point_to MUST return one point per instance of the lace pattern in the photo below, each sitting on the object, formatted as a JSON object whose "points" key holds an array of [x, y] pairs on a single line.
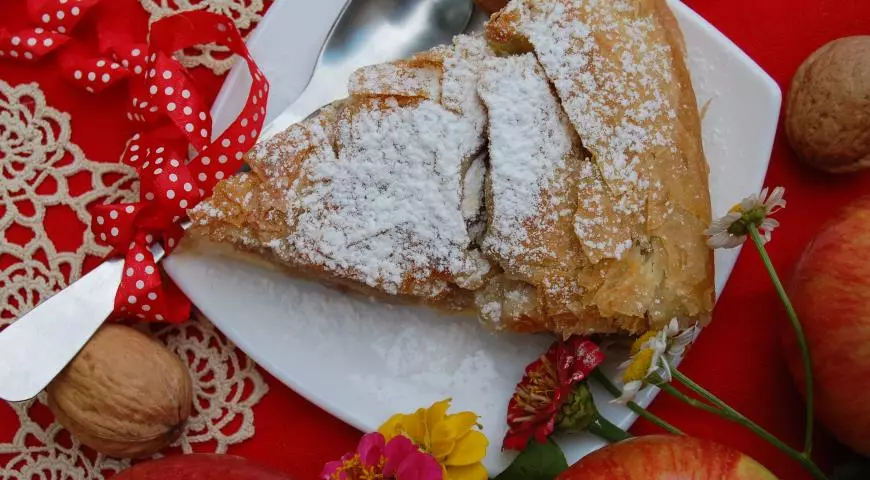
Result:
{"points": [[37, 159], [245, 14]]}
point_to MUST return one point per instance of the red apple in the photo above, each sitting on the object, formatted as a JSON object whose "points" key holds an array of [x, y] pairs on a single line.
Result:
{"points": [[200, 466], [666, 457], [831, 294]]}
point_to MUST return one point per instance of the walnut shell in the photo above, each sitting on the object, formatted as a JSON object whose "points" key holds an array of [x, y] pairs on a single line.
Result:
{"points": [[828, 110], [490, 6], [124, 394]]}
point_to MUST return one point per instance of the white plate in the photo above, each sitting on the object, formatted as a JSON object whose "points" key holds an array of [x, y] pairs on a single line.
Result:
{"points": [[363, 361]]}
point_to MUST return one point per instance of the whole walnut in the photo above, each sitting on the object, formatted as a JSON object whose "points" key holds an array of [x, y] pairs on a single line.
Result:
{"points": [[124, 394], [828, 111]]}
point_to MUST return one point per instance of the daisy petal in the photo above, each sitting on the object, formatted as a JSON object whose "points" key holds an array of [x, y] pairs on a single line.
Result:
{"points": [[629, 391], [672, 328], [769, 223], [719, 240], [664, 370], [775, 201], [751, 202]]}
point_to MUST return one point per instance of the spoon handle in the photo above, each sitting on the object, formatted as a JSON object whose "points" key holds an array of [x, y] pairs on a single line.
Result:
{"points": [[35, 348]]}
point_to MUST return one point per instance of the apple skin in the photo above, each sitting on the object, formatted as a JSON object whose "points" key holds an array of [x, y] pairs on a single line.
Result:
{"points": [[830, 291], [200, 466], [666, 457]]}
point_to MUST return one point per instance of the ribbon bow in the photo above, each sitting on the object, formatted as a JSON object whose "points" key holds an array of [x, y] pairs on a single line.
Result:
{"points": [[52, 20], [172, 115]]}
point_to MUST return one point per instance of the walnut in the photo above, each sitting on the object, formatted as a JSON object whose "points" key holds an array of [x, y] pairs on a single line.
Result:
{"points": [[828, 110], [124, 394]]}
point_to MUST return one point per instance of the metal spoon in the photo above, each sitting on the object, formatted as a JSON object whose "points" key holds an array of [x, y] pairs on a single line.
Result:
{"points": [[35, 348], [370, 32]]}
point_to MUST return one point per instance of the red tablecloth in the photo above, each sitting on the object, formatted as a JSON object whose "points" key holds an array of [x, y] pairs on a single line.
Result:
{"points": [[738, 357]]}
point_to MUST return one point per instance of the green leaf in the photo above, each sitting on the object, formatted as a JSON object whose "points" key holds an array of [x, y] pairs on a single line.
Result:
{"points": [[539, 461]]}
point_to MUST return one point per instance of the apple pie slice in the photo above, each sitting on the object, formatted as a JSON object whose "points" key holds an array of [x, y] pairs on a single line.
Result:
{"points": [[548, 175], [367, 194], [643, 202]]}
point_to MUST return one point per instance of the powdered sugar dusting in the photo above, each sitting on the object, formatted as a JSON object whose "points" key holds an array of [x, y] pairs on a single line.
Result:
{"points": [[528, 145], [601, 232], [461, 70], [398, 78], [608, 61], [389, 207]]}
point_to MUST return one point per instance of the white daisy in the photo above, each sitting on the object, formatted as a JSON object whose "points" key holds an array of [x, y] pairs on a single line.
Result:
{"points": [[652, 355], [629, 391], [731, 230]]}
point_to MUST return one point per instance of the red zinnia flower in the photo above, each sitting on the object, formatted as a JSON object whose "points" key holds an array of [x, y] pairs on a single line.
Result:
{"points": [[547, 384]]}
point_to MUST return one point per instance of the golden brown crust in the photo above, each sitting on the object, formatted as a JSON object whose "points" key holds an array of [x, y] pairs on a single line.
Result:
{"points": [[301, 207], [244, 212], [614, 239], [643, 198], [404, 78], [503, 33]]}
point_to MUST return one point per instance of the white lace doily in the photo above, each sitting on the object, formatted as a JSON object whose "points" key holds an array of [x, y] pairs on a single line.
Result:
{"points": [[245, 14], [36, 160]]}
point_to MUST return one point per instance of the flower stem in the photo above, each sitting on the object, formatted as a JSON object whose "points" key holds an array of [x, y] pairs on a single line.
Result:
{"points": [[670, 390], [598, 375], [605, 429], [799, 332], [725, 411]]}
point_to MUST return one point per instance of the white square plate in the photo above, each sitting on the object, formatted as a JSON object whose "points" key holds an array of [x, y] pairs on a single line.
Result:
{"points": [[363, 361]]}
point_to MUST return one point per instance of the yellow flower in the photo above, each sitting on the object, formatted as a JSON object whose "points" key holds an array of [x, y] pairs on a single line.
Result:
{"points": [[641, 341], [651, 356], [451, 439], [639, 366]]}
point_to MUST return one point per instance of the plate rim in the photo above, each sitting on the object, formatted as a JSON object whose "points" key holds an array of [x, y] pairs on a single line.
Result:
{"points": [[357, 421]]}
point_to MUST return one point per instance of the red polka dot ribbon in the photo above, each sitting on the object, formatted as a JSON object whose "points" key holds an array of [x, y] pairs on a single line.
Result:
{"points": [[172, 117], [52, 21]]}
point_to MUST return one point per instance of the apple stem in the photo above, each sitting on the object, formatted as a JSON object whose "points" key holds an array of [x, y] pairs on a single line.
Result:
{"points": [[799, 332], [605, 382], [725, 411]]}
